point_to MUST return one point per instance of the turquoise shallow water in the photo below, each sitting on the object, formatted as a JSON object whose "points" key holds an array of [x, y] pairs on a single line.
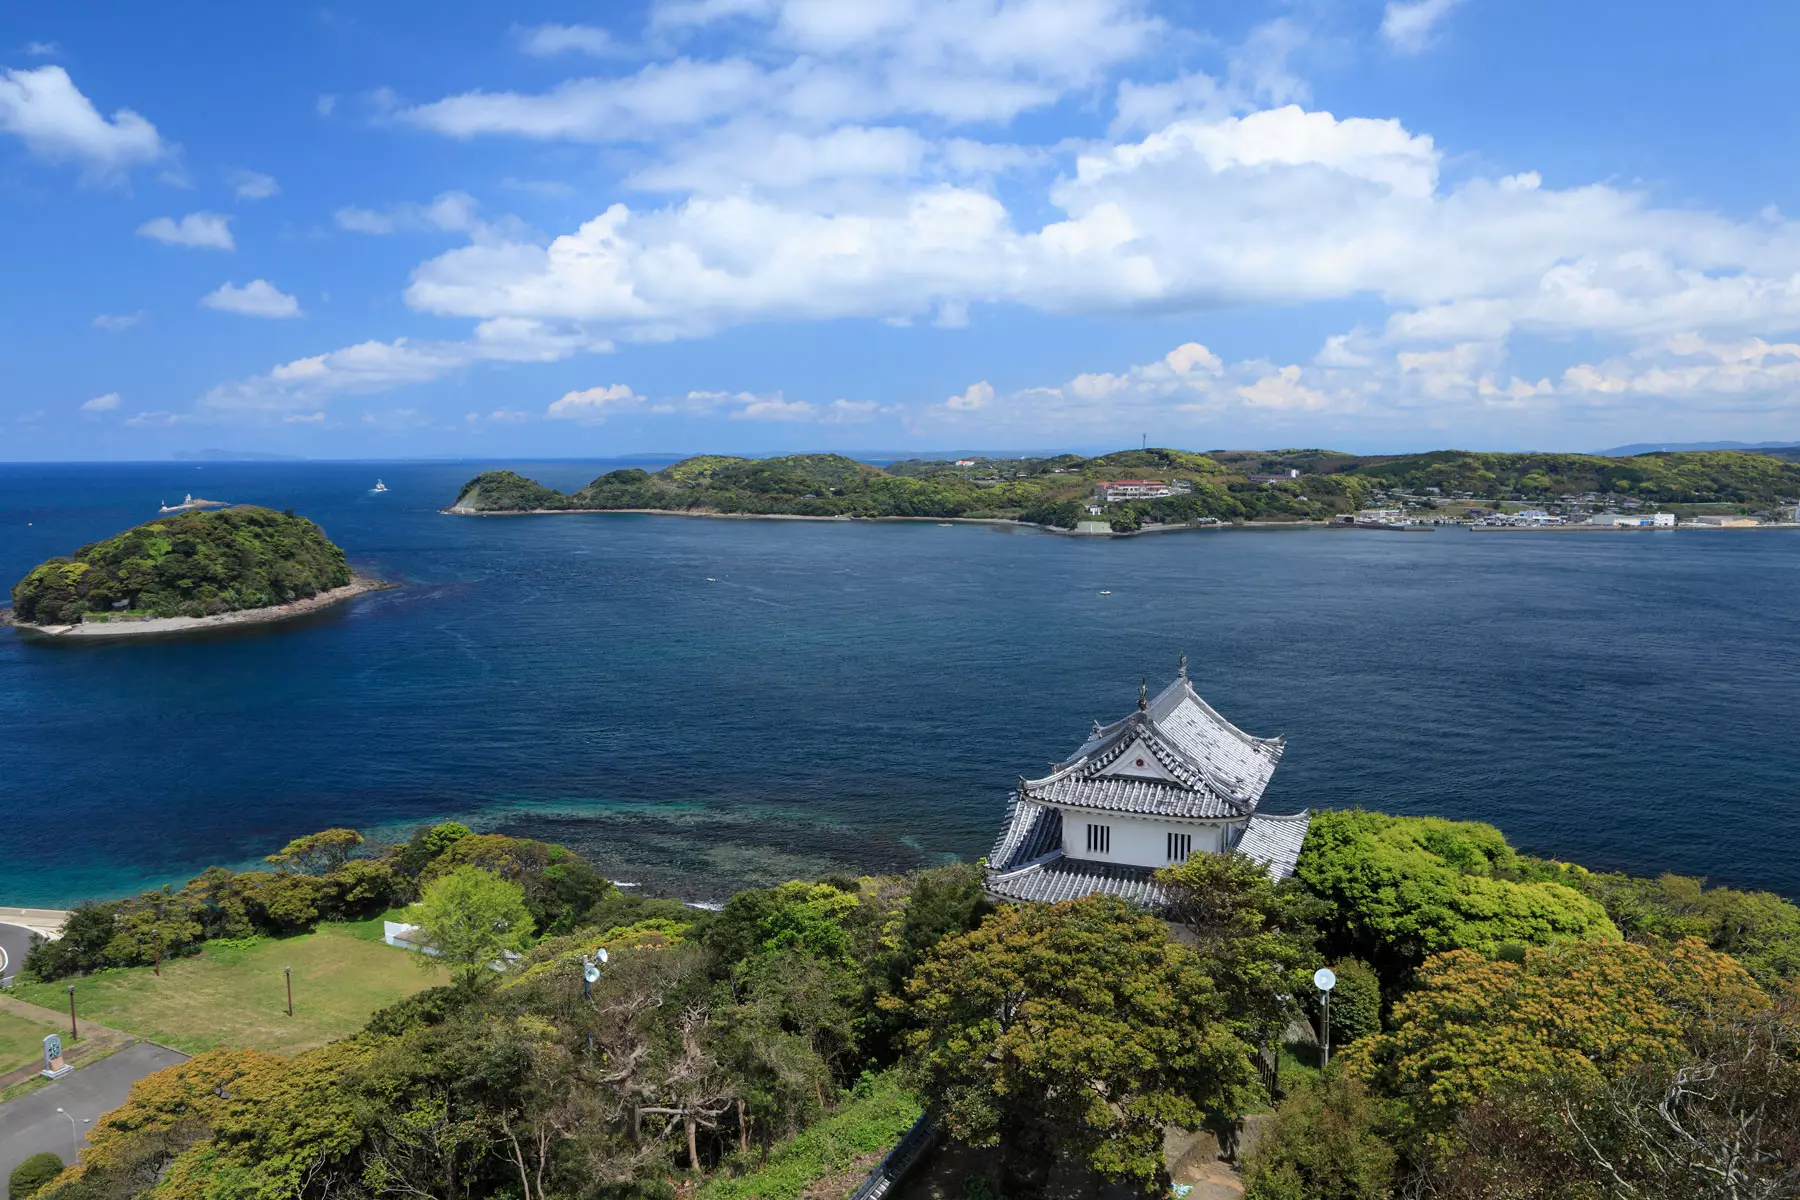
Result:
{"points": [[700, 704]]}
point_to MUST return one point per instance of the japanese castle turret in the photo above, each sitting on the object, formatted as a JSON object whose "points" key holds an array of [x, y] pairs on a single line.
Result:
{"points": [[1170, 780]]}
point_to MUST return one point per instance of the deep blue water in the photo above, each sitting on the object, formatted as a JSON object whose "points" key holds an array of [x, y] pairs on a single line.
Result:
{"points": [[701, 704]]}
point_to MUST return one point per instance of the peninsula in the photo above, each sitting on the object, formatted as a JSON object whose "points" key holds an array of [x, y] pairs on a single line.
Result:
{"points": [[1130, 490], [185, 572]]}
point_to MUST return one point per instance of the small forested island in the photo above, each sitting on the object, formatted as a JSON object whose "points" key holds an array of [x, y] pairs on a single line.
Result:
{"points": [[1132, 488], [238, 563]]}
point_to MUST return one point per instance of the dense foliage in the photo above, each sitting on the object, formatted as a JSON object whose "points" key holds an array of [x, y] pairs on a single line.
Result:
{"points": [[1528, 1030], [29, 1177], [192, 564], [1678, 477], [1400, 889]]}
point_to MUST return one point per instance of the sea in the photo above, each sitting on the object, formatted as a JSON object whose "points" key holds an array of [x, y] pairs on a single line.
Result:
{"points": [[702, 705]]}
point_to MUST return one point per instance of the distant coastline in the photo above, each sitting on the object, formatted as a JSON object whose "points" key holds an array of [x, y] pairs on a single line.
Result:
{"points": [[140, 627]]}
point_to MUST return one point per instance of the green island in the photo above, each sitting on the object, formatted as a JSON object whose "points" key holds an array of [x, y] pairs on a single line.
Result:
{"points": [[194, 564], [1502, 1026], [1217, 486]]}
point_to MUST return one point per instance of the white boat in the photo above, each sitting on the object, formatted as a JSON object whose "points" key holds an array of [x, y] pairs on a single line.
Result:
{"points": [[379, 486]]}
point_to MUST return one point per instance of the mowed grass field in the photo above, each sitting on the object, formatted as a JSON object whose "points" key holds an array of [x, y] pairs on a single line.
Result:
{"points": [[22, 1041], [235, 995]]}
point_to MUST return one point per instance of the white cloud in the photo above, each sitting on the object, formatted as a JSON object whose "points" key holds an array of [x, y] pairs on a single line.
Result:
{"points": [[449, 211], [775, 408], [311, 418], [595, 404], [258, 298], [254, 185], [546, 41], [974, 60], [155, 419], [114, 322], [57, 122], [976, 395], [99, 404], [206, 230], [42, 49], [1408, 25], [325, 105]]}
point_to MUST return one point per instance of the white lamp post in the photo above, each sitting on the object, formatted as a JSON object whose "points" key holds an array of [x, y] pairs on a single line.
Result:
{"points": [[1324, 979], [74, 1131]]}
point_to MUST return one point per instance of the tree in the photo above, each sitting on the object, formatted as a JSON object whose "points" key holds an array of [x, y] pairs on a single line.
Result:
{"points": [[151, 927], [472, 918], [1355, 1003], [1253, 938], [1077, 1030], [1325, 1143], [1585, 1011], [1400, 889], [29, 1177], [86, 935], [318, 853]]}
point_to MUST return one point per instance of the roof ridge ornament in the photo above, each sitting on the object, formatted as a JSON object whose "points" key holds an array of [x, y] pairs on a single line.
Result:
{"points": [[1143, 695], [1181, 671]]}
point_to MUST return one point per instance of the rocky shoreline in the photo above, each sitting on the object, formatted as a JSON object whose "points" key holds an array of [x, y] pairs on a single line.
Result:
{"points": [[137, 627]]}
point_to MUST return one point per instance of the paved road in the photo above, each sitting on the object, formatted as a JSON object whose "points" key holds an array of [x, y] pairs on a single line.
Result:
{"points": [[15, 941], [31, 1124]]}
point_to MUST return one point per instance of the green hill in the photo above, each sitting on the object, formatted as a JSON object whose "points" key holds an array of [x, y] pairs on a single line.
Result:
{"points": [[1055, 490], [192, 564]]}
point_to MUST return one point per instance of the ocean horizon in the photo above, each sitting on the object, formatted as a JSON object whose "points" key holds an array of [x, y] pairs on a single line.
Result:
{"points": [[704, 705]]}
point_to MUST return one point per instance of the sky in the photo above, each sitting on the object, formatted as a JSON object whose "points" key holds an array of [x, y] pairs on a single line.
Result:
{"points": [[758, 226]]}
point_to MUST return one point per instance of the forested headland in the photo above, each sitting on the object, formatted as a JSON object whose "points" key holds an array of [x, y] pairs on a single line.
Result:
{"points": [[194, 564], [1219, 485], [1503, 1026]]}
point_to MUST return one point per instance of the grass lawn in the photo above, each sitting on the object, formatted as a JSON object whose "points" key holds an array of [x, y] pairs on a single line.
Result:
{"points": [[22, 1040], [234, 995]]}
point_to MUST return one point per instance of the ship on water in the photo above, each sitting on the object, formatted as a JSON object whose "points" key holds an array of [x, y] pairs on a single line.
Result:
{"points": [[188, 504], [379, 486]]}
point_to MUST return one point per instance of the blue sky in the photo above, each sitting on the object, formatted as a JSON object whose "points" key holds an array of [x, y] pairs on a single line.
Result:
{"points": [[763, 225]]}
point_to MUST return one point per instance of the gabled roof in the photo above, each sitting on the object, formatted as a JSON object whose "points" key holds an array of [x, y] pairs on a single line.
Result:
{"points": [[1213, 768]]}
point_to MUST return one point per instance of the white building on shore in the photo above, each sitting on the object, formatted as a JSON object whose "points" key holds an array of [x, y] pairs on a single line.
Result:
{"points": [[1170, 780]]}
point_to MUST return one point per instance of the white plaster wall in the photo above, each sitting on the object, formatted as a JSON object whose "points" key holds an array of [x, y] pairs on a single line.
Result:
{"points": [[1137, 841]]}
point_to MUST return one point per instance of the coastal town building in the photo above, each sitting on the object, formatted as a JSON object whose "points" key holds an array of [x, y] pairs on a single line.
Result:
{"points": [[1634, 520], [1171, 780], [1113, 490], [1379, 516], [1726, 521]]}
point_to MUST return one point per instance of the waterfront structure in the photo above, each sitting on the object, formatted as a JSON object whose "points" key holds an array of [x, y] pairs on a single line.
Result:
{"points": [[1726, 522], [1379, 516], [1634, 520], [1112, 490], [1171, 780]]}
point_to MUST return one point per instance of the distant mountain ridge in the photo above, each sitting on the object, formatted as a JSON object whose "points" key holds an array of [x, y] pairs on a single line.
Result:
{"points": [[233, 456], [1637, 448]]}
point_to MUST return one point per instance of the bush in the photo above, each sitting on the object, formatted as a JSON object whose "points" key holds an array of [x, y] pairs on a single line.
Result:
{"points": [[29, 1177], [1324, 1144], [1355, 1003]]}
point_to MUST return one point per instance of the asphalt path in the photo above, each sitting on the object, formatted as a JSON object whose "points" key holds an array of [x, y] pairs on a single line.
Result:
{"points": [[31, 1124], [15, 941]]}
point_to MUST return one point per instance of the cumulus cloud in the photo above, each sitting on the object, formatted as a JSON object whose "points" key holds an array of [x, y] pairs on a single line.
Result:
{"points": [[976, 395], [258, 298], [204, 230], [100, 404], [1409, 25], [254, 185], [45, 109], [114, 322]]}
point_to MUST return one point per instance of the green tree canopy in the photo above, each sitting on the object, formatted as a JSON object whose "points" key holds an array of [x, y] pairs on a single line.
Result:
{"points": [[1400, 889], [1076, 1030], [472, 918]]}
